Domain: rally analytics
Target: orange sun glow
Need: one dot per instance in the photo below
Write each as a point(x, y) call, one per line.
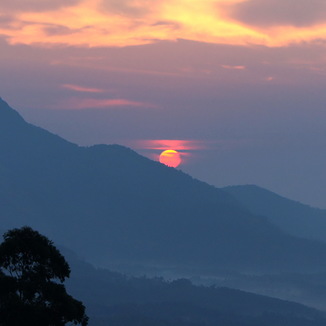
point(170, 158)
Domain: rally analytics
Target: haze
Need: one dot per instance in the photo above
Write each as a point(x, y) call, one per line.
point(243, 79)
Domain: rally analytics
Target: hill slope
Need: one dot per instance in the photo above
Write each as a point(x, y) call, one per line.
point(114, 299)
point(291, 216)
point(110, 204)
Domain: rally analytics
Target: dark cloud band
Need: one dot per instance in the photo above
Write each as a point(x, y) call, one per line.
point(264, 13)
point(128, 7)
point(35, 5)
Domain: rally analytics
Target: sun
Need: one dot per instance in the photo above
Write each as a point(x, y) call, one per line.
point(170, 158)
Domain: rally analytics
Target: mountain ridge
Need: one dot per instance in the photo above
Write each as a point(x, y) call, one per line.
point(109, 203)
point(111, 296)
point(291, 216)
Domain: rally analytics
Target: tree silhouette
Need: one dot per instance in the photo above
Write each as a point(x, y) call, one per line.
point(32, 272)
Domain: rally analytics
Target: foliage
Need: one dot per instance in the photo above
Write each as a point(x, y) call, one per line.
point(32, 272)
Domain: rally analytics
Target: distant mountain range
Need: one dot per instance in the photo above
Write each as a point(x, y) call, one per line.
point(114, 299)
point(293, 217)
point(112, 205)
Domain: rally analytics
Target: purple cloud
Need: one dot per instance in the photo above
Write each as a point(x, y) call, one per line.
point(35, 5)
point(128, 7)
point(265, 13)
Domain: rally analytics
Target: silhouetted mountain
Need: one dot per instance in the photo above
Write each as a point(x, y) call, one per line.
point(112, 205)
point(291, 216)
point(114, 299)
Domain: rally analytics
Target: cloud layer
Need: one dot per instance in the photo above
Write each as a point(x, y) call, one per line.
point(136, 22)
point(130, 8)
point(267, 13)
point(35, 5)
point(76, 103)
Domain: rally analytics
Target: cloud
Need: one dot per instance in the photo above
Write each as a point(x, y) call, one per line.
point(83, 89)
point(91, 103)
point(187, 148)
point(58, 30)
point(121, 23)
point(164, 144)
point(131, 8)
point(265, 13)
point(5, 19)
point(35, 5)
point(153, 147)
point(233, 67)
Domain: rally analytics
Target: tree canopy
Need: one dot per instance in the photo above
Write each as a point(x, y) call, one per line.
point(32, 272)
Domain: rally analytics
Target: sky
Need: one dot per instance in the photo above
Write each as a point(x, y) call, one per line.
point(236, 86)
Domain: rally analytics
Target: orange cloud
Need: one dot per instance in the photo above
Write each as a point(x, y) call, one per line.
point(78, 88)
point(234, 67)
point(121, 23)
point(189, 149)
point(153, 147)
point(165, 144)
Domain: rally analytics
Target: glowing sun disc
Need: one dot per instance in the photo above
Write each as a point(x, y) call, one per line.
point(170, 158)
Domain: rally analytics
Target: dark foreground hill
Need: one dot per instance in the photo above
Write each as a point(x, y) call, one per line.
point(112, 205)
point(114, 299)
point(293, 217)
